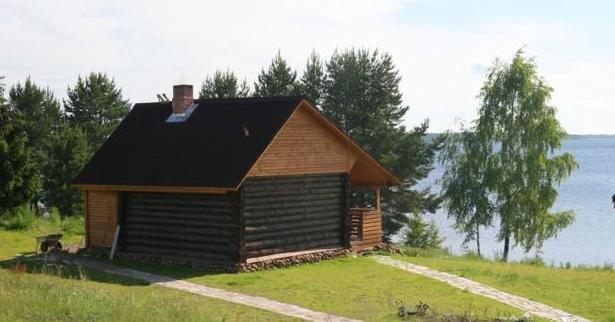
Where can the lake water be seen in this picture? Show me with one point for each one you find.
(590, 239)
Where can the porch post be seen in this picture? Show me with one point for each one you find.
(378, 199)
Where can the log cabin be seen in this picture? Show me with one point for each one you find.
(226, 182)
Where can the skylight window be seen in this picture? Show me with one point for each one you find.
(182, 117)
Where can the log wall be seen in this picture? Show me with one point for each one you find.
(101, 217)
(293, 213)
(192, 227)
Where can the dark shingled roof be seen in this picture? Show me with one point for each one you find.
(210, 149)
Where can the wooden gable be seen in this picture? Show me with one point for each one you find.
(310, 143)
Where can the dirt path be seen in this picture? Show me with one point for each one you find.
(254, 301)
(532, 307)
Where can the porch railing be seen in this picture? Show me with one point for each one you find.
(365, 227)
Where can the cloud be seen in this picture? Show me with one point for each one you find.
(150, 45)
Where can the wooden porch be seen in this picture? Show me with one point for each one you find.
(365, 226)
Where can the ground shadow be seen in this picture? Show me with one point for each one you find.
(62, 265)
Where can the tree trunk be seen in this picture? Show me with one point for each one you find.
(478, 239)
(506, 247)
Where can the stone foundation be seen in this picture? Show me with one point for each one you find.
(294, 260)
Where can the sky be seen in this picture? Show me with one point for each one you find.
(441, 48)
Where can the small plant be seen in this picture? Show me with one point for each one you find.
(426, 252)
(420, 309)
(472, 255)
(421, 234)
(534, 261)
(422, 312)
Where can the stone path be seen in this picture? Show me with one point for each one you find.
(254, 301)
(532, 307)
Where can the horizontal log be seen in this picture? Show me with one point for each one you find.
(185, 245)
(213, 241)
(266, 220)
(181, 254)
(303, 196)
(298, 231)
(294, 239)
(292, 224)
(330, 243)
(180, 230)
(305, 210)
(297, 204)
(227, 218)
(173, 209)
(180, 222)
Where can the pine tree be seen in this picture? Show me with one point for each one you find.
(39, 111)
(95, 104)
(277, 80)
(361, 94)
(224, 84)
(312, 83)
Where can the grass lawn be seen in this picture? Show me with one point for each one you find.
(102, 297)
(353, 287)
(14, 242)
(589, 293)
(95, 296)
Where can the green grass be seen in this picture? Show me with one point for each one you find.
(13, 242)
(74, 295)
(589, 293)
(353, 287)
(102, 297)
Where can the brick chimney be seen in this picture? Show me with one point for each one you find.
(182, 98)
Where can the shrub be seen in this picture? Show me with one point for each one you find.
(18, 218)
(426, 252)
(420, 234)
(534, 261)
(471, 255)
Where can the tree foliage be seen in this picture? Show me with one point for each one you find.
(38, 109)
(507, 162)
(95, 104)
(312, 81)
(421, 234)
(278, 79)
(19, 180)
(224, 84)
(361, 94)
(66, 153)
(465, 185)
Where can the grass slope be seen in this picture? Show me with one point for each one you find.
(353, 287)
(43, 297)
(587, 292)
(71, 295)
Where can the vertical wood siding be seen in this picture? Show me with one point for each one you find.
(188, 227)
(101, 210)
(294, 213)
(304, 146)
